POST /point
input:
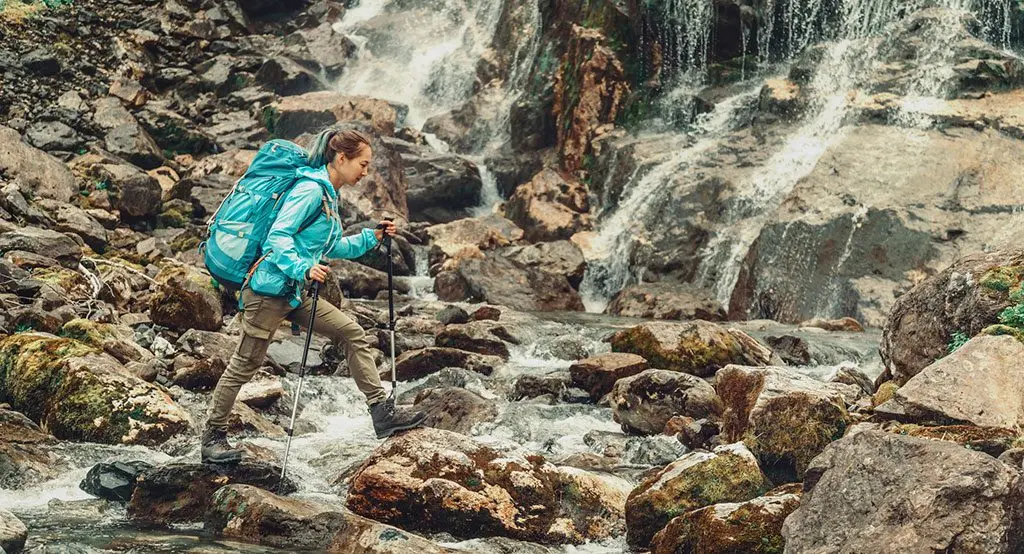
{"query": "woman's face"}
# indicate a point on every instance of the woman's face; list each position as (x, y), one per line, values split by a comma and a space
(350, 170)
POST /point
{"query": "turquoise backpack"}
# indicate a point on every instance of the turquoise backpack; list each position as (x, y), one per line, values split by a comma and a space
(242, 222)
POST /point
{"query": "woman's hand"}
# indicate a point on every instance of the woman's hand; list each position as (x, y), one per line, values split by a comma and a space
(318, 273)
(386, 227)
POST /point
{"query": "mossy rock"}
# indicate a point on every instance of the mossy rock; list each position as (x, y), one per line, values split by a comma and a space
(696, 347)
(185, 299)
(997, 330)
(116, 340)
(1002, 278)
(753, 527)
(72, 284)
(698, 479)
(79, 394)
(886, 391)
(991, 440)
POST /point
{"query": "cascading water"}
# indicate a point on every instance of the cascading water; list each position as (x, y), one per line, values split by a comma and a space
(851, 31)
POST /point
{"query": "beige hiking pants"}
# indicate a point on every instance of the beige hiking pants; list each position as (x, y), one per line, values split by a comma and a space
(261, 317)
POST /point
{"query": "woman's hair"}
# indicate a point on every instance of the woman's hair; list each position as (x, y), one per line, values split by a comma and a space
(331, 141)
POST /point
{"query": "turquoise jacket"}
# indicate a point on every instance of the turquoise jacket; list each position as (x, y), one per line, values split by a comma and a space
(289, 253)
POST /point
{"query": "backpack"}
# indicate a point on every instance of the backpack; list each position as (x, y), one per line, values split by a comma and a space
(242, 222)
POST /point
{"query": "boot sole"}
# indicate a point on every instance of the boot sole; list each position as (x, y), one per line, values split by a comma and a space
(401, 428)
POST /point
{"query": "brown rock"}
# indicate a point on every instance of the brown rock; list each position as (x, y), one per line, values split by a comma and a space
(598, 374)
(480, 337)
(696, 347)
(27, 455)
(185, 299)
(415, 364)
(645, 402)
(450, 240)
(295, 115)
(35, 171)
(666, 301)
(454, 409)
(549, 207)
(844, 324)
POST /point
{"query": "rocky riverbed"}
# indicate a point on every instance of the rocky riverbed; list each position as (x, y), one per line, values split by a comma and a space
(734, 276)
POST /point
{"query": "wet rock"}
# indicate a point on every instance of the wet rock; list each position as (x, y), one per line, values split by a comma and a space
(792, 350)
(78, 511)
(35, 171)
(80, 395)
(696, 347)
(44, 242)
(324, 47)
(359, 281)
(244, 421)
(645, 402)
(553, 386)
(666, 301)
(784, 417)
(479, 337)
(965, 298)
(27, 455)
(13, 533)
(914, 510)
(203, 359)
(454, 409)
(434, 480)
(598, 374)
(847, 324)
(114, 480)
(452, 314)
(467, 237)
(295, 115)
(754, 526)
(182, 492)
(487, 313)
(116, 340)
(977, 385)
(415, 364)
(185, 299)
(683, 486)
(559, 257)
(244, 512)
(585, 111)
(447, 377)
(442, 187)
(262, 392)
(496, 279)
(549, 207)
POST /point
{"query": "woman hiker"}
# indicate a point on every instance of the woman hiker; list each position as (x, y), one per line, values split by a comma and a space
(275, 290)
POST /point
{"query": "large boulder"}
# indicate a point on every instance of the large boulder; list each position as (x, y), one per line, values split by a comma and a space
(13, 533)
(44, 242)
(79, 394)
(965, 298)
(185, 299)
(696, 347)
(495, 279)
(442, 187)
(415, 364)
(454, 408)
(979, 384)
(27, 454)
(784, 417)
(666, 301)
(598, 374)
(560, 257)
(752, 527)
(439, 481)
(35, 171)
(251, 514)
(696, 480)
(295, 115)
(549, 207)
(468, 237)
(182, 492)
(882, 492)
(645, 402)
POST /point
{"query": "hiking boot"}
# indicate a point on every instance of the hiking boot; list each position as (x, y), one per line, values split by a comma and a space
(388, 420)
(216, 449)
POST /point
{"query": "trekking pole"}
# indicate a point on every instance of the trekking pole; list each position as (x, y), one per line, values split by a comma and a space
(391, 315)
(302, 374)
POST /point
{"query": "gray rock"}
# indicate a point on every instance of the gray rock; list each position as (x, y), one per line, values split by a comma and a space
(42, 62)
(666, 301)
(72, 219)
(643, 403)
(454, 409)
(452, 314)
(286, 77)
(441, 186)
(559, 257)
(43, 242)
(131, 142)
(496, 279)
(13, 533)
(53, 135)
(887, 493)
(34, 170)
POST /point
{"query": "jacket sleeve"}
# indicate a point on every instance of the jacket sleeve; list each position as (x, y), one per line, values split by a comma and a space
(297, 206)
(354, 246)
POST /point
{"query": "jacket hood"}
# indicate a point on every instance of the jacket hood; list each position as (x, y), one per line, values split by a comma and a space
(318, 174)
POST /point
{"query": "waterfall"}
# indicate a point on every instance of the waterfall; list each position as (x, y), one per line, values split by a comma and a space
(853, 32)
